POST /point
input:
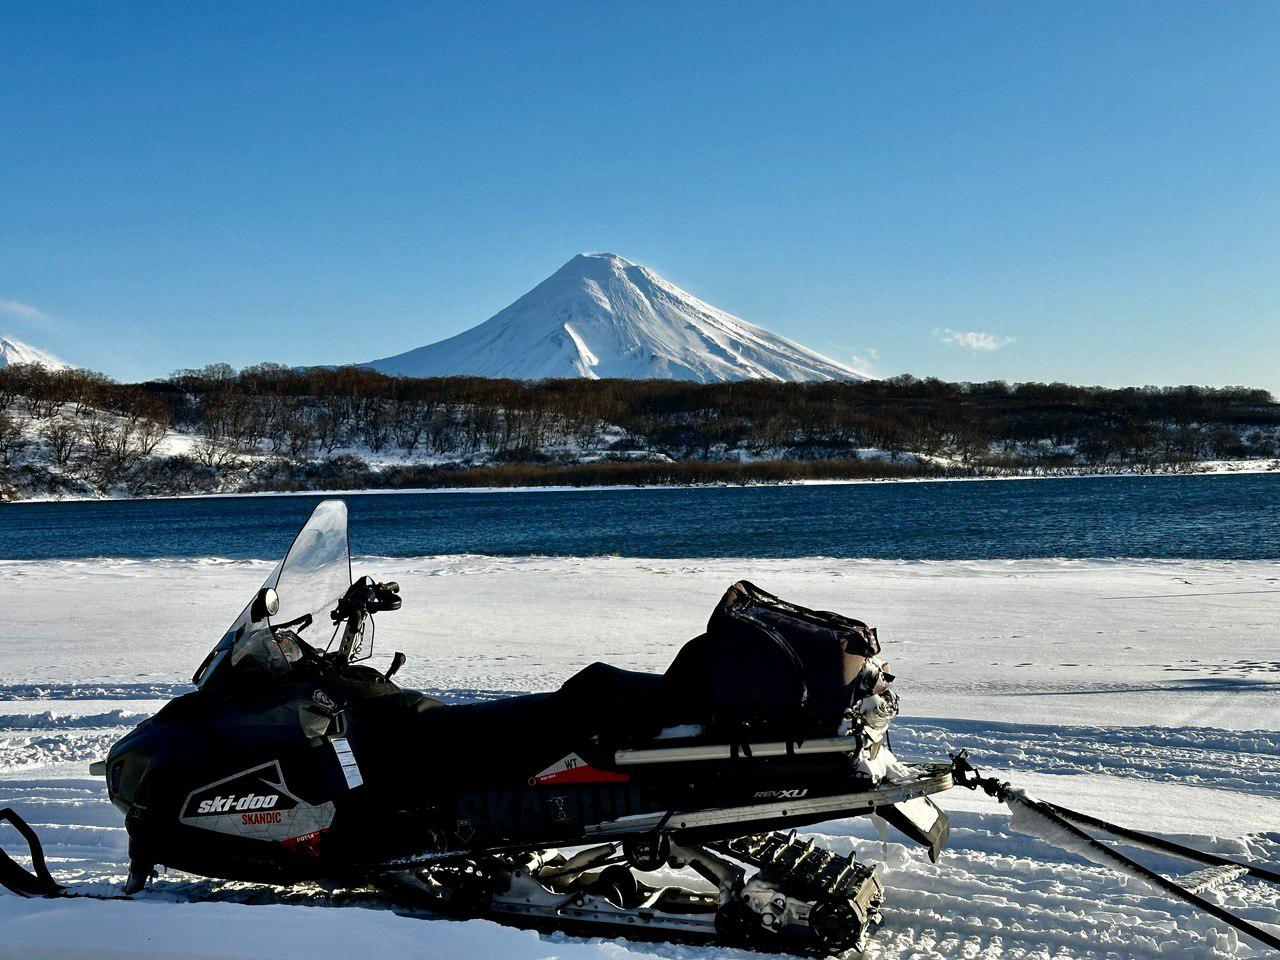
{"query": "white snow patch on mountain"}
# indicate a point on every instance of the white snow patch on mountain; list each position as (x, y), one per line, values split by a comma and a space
(14, 352)
(601, 315)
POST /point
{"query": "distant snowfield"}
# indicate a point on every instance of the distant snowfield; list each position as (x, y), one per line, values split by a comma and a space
(1140, 691)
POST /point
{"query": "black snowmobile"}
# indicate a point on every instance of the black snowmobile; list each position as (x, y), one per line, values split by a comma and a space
(293, 761)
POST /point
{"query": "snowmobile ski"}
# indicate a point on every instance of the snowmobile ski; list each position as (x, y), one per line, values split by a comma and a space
(36, 882)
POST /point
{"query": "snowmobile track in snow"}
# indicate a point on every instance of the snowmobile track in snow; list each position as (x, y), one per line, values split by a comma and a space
(1204, 756)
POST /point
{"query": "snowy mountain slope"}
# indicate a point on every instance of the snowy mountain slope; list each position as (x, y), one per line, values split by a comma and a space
(601, 315)
(14, 352)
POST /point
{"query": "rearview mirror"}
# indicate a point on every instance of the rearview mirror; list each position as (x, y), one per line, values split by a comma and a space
(265, 604)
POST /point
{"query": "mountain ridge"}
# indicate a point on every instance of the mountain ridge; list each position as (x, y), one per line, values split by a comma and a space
(14, 352)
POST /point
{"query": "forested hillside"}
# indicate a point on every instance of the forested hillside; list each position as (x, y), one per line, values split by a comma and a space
(272, 428)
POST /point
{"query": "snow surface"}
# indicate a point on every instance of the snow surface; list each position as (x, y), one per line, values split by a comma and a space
(14, 352)
(1143, 692)
(603, 316)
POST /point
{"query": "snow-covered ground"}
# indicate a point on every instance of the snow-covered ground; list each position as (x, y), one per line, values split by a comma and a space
(1143, 692)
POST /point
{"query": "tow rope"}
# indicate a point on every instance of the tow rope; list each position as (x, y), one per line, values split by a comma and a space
(1068, 825)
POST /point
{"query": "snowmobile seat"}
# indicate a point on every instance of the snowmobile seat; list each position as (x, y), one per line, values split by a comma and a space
(763, 663)
(421, 703)
(611, 700)
(483, 742)
(473, 744)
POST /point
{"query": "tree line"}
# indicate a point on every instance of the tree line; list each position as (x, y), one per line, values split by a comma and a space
(273, 427)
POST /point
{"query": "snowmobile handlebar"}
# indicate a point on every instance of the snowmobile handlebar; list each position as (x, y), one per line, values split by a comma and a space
(367, 596)
(363, 598)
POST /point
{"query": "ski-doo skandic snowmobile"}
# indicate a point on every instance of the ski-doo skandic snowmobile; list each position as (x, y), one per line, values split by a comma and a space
(293, 761)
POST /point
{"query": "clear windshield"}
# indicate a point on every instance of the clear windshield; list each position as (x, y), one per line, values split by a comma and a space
(314, 574)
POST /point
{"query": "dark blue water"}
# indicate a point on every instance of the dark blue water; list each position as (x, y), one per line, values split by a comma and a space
(1231, 517)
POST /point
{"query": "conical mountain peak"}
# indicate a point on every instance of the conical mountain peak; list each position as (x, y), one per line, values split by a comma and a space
(601, 315)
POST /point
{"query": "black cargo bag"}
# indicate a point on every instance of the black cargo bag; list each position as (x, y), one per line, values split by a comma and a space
(765, 661)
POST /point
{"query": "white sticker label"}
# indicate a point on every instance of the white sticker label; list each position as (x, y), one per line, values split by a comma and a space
(350, 769)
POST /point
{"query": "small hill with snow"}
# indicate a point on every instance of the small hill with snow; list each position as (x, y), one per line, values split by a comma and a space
(14, 352)
(601, 315)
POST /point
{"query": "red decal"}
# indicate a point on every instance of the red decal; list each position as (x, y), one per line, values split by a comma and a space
(308, 844)
(582, 774)
(249, 819)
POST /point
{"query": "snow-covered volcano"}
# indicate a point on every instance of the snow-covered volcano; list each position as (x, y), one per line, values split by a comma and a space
(601, 315)
(14, 352)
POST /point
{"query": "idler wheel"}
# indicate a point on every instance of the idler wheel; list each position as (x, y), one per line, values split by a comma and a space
(618, 884)
(647, 853)
(837, 922)
(736, 923)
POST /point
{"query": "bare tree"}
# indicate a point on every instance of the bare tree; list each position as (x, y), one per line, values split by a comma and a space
(11, 438)
(408, 424)
(63, 436)
(214, 452)
(375, 425)
(297, 431)
(114, 447)
(148, 434)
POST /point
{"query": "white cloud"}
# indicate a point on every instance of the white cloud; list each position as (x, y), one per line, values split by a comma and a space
(864, 361)
(19, 309)
(972, 339)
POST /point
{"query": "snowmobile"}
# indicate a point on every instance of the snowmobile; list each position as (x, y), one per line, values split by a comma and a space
(588, 809)
(294, 760)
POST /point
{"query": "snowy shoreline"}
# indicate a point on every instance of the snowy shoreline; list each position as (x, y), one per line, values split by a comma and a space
(1064, 641)
(1208, 468)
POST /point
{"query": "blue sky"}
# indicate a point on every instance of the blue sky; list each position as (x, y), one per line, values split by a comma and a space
(1086, 192)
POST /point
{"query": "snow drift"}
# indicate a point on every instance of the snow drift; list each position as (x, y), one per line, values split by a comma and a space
(601, 315)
